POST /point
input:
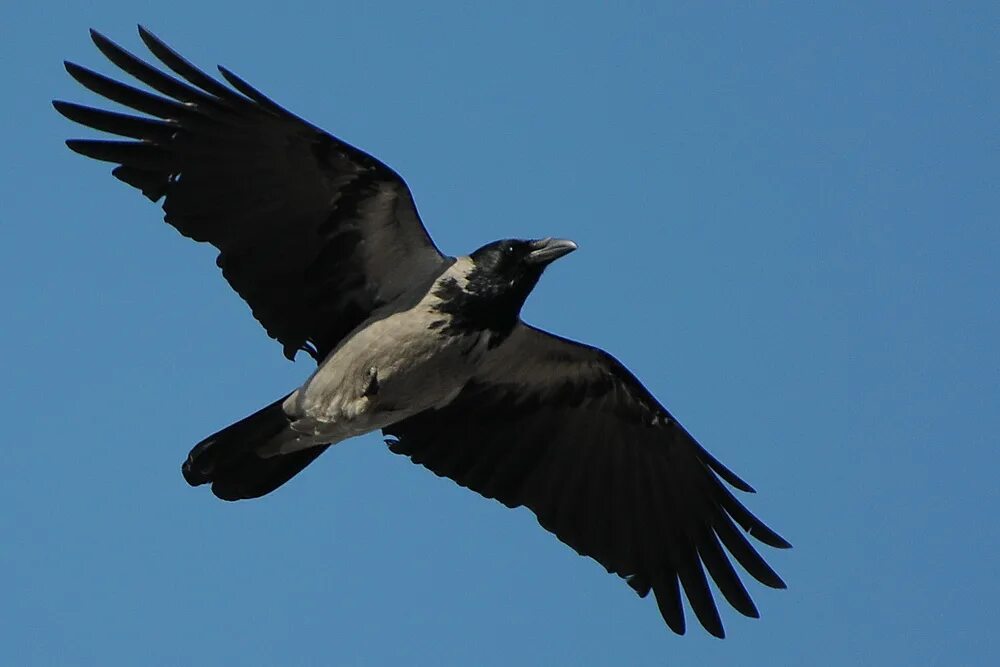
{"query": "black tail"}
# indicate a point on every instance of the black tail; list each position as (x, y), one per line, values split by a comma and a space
(229, 460)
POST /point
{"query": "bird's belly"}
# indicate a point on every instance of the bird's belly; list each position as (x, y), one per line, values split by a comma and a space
(377, 378)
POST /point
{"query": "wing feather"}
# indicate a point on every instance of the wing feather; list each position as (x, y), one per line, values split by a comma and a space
(567, 431)
(314, 234)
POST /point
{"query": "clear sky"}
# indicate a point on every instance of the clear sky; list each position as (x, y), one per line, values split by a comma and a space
(788, 228)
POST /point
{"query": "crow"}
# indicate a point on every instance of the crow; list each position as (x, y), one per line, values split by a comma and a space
(324, 243)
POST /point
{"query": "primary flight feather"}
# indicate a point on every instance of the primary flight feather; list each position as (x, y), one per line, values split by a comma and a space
(324, 243)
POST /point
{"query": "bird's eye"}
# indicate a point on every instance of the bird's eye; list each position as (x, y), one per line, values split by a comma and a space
(508, 248)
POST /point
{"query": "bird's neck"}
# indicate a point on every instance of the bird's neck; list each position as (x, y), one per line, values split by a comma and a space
(473, 303)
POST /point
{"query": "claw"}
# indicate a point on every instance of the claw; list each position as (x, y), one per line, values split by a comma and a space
(371, 386)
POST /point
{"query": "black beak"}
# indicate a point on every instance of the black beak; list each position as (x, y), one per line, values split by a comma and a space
(548, 250)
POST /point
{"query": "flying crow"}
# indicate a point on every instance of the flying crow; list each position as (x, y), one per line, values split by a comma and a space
(324, 243)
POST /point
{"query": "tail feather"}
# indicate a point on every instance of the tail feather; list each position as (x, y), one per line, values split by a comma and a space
(229, 461)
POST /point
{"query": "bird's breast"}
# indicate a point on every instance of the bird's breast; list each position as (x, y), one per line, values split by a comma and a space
(387, 370)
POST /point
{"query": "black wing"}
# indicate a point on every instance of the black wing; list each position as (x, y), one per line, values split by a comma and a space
(567, 431)
(313, 233)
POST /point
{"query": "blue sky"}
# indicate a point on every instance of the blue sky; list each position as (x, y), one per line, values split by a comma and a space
(787, 220)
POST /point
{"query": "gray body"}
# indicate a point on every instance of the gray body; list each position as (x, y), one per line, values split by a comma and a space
(386, 370)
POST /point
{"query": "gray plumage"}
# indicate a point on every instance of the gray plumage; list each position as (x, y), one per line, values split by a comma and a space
(391, 367)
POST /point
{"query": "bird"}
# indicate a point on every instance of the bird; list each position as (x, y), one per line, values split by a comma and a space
(325, 245)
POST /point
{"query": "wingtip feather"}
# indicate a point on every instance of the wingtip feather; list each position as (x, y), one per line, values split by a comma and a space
(76, 145)
(99, 40)
(775, 540)
(71, 68)
(766, 535)
(148, 36)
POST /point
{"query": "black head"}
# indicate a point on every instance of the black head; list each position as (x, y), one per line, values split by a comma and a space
(502, 277)
(509, 269)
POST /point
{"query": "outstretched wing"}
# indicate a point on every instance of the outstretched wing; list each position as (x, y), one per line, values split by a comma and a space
(313, 233)
(567, 431)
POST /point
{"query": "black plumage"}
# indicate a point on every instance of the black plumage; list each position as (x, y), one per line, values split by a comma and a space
(567, 431)
(237, 170)
(324, 243)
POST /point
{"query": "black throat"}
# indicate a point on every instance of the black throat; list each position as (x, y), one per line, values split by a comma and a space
(484, 304)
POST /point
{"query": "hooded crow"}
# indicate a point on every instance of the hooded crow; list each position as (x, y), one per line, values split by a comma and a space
(324, 243)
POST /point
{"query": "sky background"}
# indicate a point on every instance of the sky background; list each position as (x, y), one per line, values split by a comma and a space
(788, 228)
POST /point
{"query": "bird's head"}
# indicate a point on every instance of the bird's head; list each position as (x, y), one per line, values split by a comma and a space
(501, 277)
(512, 267)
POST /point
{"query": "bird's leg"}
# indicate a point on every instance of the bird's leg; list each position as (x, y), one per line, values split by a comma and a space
(372, 387)
(371, 382)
